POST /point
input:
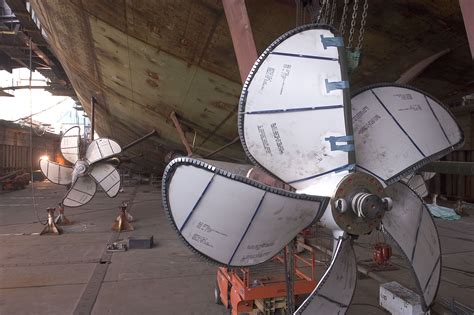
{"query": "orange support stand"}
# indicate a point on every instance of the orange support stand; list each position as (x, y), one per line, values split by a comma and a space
(61, 218)
(51, 227)
(122, 222)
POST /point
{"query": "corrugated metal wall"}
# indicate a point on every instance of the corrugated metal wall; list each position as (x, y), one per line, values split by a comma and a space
(458, 186)
(15, 147)
(455, 186)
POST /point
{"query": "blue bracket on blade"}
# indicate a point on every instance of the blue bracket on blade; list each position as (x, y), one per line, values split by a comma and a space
(341, 147)
(337, 85)
(332, 41)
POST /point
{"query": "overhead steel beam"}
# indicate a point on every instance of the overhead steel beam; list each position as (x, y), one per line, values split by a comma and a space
(450, 167)
(467, 9)
(40, 53)
(241, 33)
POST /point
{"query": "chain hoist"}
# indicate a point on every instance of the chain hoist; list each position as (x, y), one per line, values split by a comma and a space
(321, 11)
(333, 12)
(362, 25)
(353, 23)
(354, 55)
(342, 25)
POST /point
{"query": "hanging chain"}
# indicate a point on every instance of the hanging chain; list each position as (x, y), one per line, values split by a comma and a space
(362, 25)
(353, 23)
(327, 11)
(342, 26)
(333, 12)
(297, 17)
(321, 11)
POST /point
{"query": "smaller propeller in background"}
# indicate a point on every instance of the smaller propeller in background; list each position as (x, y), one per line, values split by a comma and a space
(88, 171)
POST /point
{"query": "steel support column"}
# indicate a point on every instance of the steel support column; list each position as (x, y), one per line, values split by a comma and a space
(241, 33)
(467, 9)
(181, 134)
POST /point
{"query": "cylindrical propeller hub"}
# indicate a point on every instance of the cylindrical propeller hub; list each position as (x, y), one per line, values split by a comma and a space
(367, 205)
(359, 203)
(80, 168)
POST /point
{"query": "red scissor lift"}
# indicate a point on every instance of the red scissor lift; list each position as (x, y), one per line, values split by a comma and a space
(263, 287)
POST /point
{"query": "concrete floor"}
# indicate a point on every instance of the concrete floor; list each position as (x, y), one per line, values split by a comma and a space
(61, 274)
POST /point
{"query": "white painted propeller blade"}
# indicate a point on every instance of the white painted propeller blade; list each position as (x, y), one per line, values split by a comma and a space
(56, 173)
(81, 192)
(293, 104)
(230, 219)
(428, 175)
(101, 149)
(335, 290)
(411, 227)
(417, 184)
(398, 129)
(107, 177)
(70, 143)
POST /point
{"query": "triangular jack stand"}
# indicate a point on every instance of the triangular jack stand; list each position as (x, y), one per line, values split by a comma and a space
(129, 216)
(61, 218)
(51, 227)
(122, 224)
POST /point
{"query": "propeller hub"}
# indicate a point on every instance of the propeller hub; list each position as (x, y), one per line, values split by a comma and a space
(80, 168)
(367, 205)
(359, 203)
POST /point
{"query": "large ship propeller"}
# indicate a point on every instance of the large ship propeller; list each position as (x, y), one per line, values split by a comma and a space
(343, 156)
(88, 172)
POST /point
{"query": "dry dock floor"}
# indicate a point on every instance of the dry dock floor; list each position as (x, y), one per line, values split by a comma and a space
(73, 271)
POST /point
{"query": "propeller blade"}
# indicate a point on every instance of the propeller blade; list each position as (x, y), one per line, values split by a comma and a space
(335, 290)
(293, 107)
(56, 173)
(398, 129)
(232, 220)
(101, 149)
(417, 184)
(428, 175)
(80, 193)
(70, 143)
(107, 177)
(411, 227)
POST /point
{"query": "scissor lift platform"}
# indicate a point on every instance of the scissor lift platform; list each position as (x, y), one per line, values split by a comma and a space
(263, 288)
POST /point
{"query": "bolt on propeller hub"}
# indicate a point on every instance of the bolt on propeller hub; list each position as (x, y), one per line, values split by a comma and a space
(359, 203)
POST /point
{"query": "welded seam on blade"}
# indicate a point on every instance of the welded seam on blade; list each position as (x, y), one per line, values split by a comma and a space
(303, 56)
(405, 255)
(173, 165)
(85, 193)
(437, 119)
(100, 151)
(435, 156)
(398, 124)
(256, 66)
(292, 110)
(248, 226)
(116, 183)
(340, 168)
(412, 269)
(106, 176)
(370, 172)
(417, 233)
(323, 280)
(333, 301)
(197, 203)
(432, 272)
